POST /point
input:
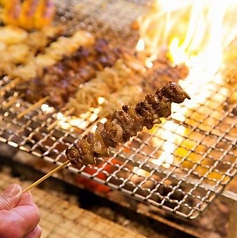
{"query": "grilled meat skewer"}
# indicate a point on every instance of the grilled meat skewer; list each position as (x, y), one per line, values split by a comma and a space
(125, 123)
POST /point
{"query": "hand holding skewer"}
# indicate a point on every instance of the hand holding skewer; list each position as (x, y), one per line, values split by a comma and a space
(19, 215)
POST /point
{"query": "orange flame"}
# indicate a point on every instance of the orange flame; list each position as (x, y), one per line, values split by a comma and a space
(192, 32)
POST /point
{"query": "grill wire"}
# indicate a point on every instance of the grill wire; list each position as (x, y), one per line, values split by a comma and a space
(204, 160)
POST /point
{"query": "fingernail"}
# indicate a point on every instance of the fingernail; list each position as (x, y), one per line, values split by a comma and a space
(12, 190)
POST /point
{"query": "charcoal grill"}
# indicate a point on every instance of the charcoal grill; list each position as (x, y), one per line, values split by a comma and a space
(204, 157)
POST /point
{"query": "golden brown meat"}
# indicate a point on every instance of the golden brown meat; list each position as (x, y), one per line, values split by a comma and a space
(29, 14)
(12, 12)
(44, 14)
(125, 123)
(28, 10)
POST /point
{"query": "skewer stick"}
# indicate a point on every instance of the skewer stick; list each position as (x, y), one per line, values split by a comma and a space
(67, 113)
(37, 182)
(34, 106)
(9, 86)
(11, 101)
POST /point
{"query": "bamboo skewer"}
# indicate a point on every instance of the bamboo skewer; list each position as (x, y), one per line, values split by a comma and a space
(9, 86)
(12, 100)
(37, 182)
(34, 106)
(67, 113)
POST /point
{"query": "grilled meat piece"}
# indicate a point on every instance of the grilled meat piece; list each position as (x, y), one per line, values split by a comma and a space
(125, 123)
(61, 81)
(29, 14)
(162, 72)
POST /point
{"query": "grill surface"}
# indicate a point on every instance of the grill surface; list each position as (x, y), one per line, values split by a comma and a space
(184, 180)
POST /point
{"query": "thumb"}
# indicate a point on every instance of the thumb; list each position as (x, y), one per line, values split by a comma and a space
(10, 197)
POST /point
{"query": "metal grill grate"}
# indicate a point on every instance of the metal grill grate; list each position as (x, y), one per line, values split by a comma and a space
(179, 166)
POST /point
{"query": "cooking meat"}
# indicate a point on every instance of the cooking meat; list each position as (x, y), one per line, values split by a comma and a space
(105, 83)
(29, 14)
(61, 81)
(19, 47)
(162, 72)
(126, 82)
(125, 123)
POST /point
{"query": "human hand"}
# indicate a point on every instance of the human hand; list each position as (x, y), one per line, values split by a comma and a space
(19, 215)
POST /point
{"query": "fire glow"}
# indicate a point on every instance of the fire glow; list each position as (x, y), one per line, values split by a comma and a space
(195, 33)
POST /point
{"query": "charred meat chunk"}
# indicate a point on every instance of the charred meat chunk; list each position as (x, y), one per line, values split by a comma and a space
(125, 123)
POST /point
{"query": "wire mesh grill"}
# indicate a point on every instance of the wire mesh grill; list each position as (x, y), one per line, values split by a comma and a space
(179, 166)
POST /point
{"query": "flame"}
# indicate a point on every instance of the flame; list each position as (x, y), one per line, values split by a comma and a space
(195, 33)
(169, 145)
